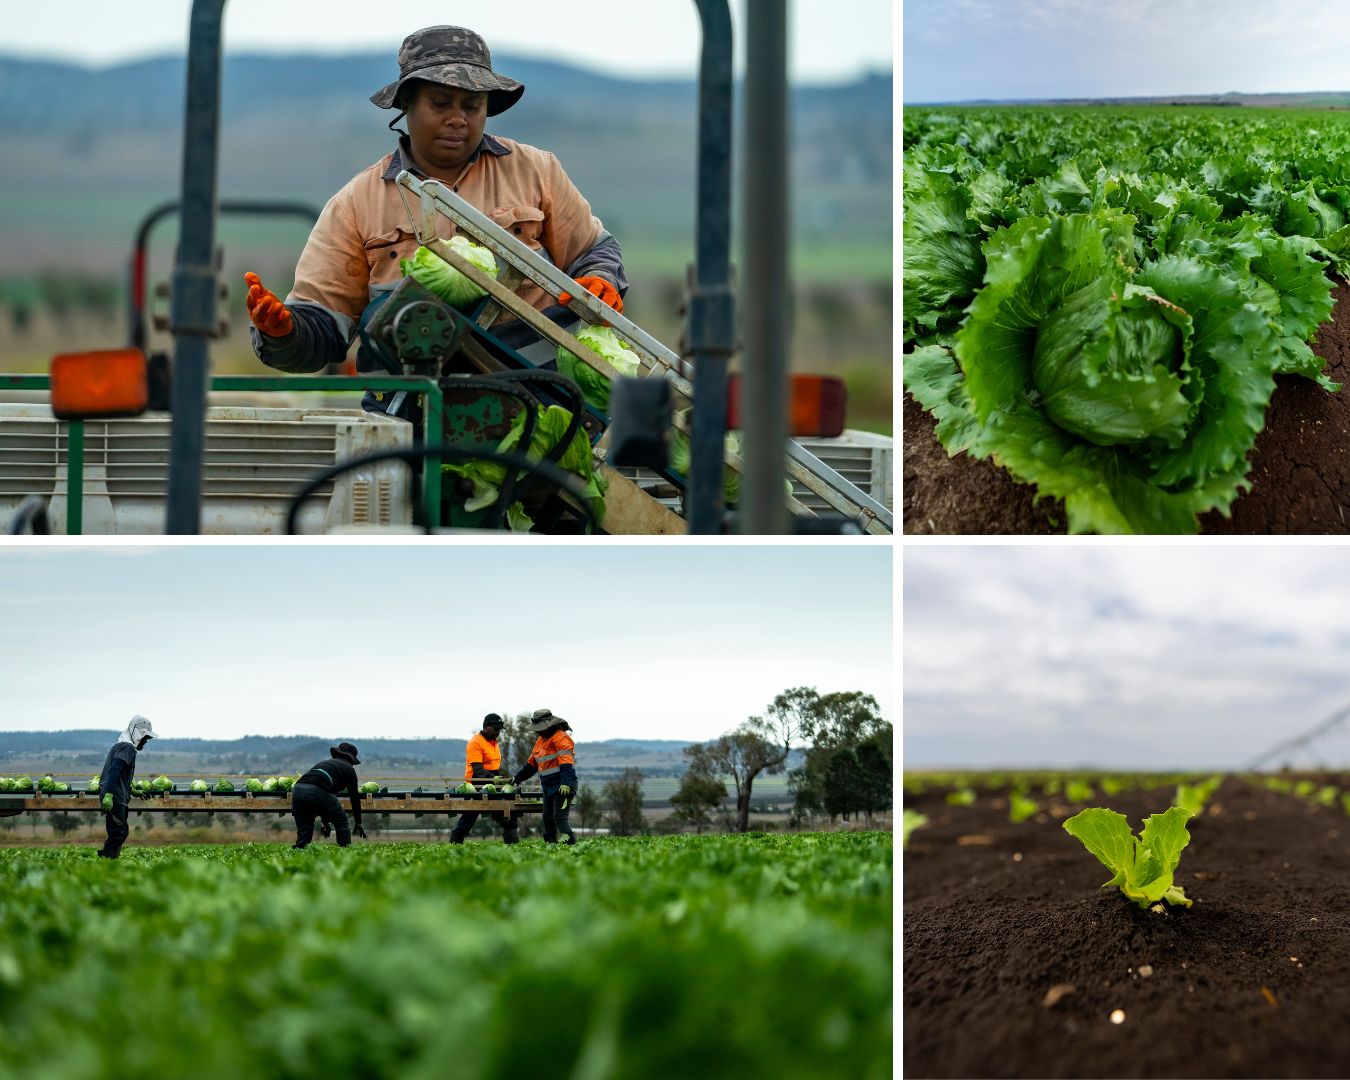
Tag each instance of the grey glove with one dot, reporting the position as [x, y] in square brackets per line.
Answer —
[359, 831]
[325, 829]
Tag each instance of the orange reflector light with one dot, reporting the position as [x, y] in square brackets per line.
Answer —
[101, 384]
[815, 406]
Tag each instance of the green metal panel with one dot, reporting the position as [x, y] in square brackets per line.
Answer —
[75, 477]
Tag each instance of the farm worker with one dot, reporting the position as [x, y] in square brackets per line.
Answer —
[483, 760]
[447, 89]
[115, 783]
[553, 759]
[316, 795]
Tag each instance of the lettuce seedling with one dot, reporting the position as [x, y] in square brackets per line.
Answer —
[1078, 791]
[1142, 866]
[961, 797]
[1193, 797]
[1021, 807]
[912, 820]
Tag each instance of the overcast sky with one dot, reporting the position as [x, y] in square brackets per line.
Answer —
[638, 641]
[959, 50]
[830, 40]
[1130, 656]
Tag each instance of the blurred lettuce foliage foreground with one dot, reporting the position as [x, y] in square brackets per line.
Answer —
[717, 956]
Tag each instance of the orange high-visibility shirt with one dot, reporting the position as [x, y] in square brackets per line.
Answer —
[550, 755]
[483, 752]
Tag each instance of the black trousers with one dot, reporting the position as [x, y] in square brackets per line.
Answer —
[555, 818]
[510, 826]
[118, 831]
[309, 802]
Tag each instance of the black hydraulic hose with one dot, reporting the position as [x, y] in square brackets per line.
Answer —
[528, 403]
[563, 383]
[560, 478]
[31, 516]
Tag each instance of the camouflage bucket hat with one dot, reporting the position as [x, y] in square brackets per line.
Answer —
[451, 56]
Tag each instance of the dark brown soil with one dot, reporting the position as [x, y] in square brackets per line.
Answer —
[1300, 475]
[1249, 982]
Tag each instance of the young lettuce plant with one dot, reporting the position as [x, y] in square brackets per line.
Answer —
[1021, 807]
[1193, 797]
[1142, 866]
[912, 820]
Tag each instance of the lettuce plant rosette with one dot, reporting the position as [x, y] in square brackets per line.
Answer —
[1133, 390]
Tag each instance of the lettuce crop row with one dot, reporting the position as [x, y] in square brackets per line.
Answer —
[678, 956]
[1100, 300]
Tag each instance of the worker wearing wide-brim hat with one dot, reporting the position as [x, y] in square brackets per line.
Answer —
[447, 89]
[315, 795]
[554, 759]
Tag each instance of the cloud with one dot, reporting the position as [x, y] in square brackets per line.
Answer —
[1175, 655]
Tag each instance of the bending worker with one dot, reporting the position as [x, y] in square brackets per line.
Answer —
[316, 795]
[484, 761]
[447, 89]
[115, 783]
[553, 758]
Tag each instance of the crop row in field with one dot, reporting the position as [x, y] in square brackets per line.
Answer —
[1100, 300]
[666, 957]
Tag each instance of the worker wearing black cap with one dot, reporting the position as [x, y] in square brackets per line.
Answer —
[553, 758]
[316, 795]
[483, 762]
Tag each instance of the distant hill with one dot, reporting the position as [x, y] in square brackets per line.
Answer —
[1319, 99]
[88, 151]
[84, 751]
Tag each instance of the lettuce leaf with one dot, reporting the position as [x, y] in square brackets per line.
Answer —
[594, 386]
[432, 272]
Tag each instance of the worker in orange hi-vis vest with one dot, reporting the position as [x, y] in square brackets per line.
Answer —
[484, 762]
[553, 758]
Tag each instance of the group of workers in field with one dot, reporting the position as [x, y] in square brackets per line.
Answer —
[316, 794]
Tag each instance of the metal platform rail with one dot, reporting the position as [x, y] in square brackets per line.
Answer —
[273, 802]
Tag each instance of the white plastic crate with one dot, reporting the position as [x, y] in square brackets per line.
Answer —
[254, 459]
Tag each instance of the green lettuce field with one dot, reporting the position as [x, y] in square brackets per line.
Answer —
[1100, 299]
[714, 956]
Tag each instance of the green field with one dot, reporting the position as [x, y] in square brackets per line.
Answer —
[1100, 299]
[712, 957]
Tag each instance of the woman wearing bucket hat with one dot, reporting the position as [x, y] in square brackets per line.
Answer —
[553, 758]
[315, 795]
[447, 89]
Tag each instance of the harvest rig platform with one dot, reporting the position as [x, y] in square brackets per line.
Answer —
[274, 802]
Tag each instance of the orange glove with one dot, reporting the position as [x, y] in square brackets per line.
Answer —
[268, 313]
[599, 287]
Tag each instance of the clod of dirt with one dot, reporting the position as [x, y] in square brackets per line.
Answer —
[1117, 1016]
[1299, 479]
[1056, 992]
[1145, 970]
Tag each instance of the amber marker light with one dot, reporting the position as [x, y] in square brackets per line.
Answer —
[99, 385]
[815, 407]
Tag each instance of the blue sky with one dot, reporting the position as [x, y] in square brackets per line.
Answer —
[1123, 656]
[829, 40]
[638, 641]
[961, 50]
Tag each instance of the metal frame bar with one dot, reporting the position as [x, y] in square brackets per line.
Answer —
[432, 423]
[192, 310]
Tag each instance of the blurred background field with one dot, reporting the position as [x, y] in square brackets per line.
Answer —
[88, 152]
